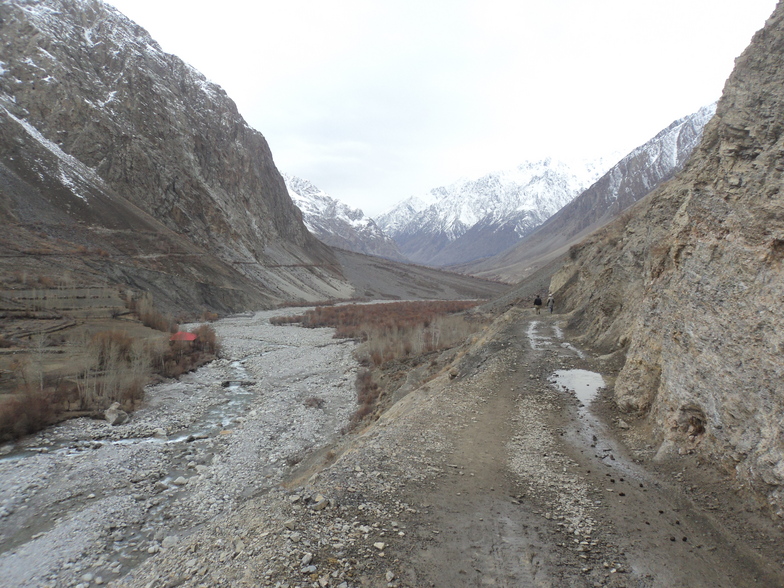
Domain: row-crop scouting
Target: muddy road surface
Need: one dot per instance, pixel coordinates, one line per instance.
(505, 465)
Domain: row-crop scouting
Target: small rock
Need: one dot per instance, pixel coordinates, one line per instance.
(380, 546)
(390, 576)
(622, 424)
(160, 433)
(306, 559)
(87, 577)
(180, 481)
(169, 542)
(290, 524)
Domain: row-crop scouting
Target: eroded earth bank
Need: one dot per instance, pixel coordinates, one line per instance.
(488, 472)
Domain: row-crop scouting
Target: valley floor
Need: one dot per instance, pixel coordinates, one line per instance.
(486, 475)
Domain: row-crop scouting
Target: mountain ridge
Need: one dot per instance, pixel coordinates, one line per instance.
(636, 174)
(502, 205)
(337, 224)
(686, 288)
(111, 145)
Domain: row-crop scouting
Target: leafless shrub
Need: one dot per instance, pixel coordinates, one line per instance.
(207, 339)
(392, 330)
(118, 368)
(149, 315)
(285, 320)
(23, 413)
(208, 316)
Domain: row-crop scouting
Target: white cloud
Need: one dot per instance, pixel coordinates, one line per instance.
(376, 101)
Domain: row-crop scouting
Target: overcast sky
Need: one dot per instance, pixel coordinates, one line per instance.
(377, 100)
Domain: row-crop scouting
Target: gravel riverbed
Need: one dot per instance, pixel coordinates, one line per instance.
(85, 502)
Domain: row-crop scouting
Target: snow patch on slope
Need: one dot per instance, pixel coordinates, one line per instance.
(72, 173)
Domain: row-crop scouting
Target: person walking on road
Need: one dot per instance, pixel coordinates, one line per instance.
(550, 303)
(538, 304)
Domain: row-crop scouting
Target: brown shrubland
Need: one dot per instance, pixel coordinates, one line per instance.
(110, 366)
(149, 315)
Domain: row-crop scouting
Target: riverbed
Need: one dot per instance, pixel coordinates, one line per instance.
(85, 502)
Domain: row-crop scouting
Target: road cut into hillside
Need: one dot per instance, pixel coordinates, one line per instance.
(491, 471)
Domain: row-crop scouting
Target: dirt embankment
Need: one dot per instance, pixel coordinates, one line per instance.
(486, 474)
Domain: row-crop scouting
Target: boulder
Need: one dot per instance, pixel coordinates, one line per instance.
(115, 415)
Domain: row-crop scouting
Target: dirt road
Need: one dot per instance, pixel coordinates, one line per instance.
(539, 491)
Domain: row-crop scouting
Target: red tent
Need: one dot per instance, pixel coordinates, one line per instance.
(183, 336)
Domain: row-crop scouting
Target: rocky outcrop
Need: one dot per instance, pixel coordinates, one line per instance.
(690, 285)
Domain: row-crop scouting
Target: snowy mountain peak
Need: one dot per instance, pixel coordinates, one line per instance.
(516, 199)
(336, 223)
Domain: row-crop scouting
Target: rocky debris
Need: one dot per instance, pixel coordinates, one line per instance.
(115, 415)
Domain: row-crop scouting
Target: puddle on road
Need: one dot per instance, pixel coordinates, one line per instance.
(583, 383)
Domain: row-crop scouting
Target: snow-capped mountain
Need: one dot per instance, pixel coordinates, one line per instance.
(634, 176)
(337, 224)
(471, 219)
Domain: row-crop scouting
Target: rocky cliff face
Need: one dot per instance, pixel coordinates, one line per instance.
(155, 132)
(634, 176)
(337, 224)
(691, 285)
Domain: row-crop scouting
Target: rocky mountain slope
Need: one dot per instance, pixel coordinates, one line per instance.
(471, 219)
(337, 224)
(625, 183)
(121, 163)
(690, 287)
